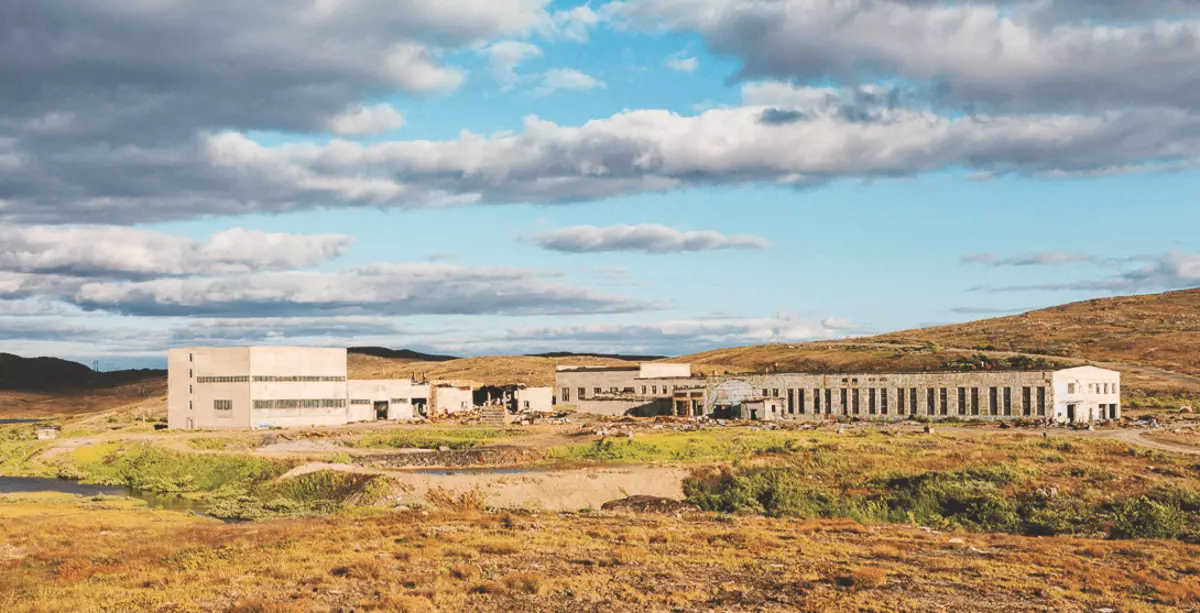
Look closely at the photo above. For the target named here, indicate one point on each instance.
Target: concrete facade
(1073, 395)
(238, 388)
(536, 399)
(450, 399)
(622, 390)
(386, 399)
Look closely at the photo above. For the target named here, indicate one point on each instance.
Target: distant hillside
(401, 354)
(1154, 340)
(485, 370)
(20, 373)
(611, 356)
(1159, 330)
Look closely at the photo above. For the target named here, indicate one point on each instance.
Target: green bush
(1147, 518)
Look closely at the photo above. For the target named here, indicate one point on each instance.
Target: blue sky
(653, 176)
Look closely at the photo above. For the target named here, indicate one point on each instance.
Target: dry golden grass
(79, 555)
(485, 370)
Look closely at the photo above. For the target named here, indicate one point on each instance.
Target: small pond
(26, 485)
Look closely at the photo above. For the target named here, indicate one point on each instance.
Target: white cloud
(505, 56)
(859, 135)
(682, 62)
(126, 252)
(974, 52)
(378, 289)
(364, 120)
(1174, 269)
(645, 238)
(558, 79)
(1037, 258)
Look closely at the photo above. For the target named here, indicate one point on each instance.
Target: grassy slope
(1154, 340)
(64, 554)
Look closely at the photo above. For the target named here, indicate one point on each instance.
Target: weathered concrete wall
(398, 393)
(1086, 394)
(451, 399)
(539, 399)
(616, 407)
(968, 395)
(574, 386)
(655, 370)
(192, 393)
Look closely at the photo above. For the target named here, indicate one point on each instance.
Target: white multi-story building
(237, 388)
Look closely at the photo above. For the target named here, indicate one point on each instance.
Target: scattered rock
(648, 504)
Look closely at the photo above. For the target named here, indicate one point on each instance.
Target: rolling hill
(1154, 340)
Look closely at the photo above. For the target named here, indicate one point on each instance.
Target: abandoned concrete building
(231, 388)
(1072, 395)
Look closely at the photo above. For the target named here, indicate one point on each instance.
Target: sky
(515, 176)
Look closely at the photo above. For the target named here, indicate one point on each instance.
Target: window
(871, 401)
(223, 405)
(800, 400)
(764, 394)
(190, 405)
(1041, 393)
(974, 401)
(643, 390)
(654, 389)
(816, 402)
(1027, 401)
(222, 379)
(930, 401)
(189, 357)
(581, 392)
(189, 389)
(828, 402)
(994, 401)
(962, 401)
(900, 400)
(775, 393)
(1070, 388)
(527, 404)
(855, 400)
(945, 401)
(883, 400)
(612, 390)
(399, 400)
(296, 379)
(791, 401)
(845, 405)
(628, 390)
(189, 373)
(566, 394)
(1008, 401)
(307, 403)
(596, 390)
(352, 401)
(912, 397)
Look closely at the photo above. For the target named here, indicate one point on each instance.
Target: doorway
(1070, 413)
(381, 409)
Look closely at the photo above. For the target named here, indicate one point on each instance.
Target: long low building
(1071, 395)
(239, 388)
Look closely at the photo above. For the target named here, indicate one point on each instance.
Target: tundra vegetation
(868, 519)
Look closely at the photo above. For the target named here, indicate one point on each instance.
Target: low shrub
(1145, 517)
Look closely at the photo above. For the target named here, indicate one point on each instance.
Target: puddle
(512, 470)
(12, 421)
(27, 485)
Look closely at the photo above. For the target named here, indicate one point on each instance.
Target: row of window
(223, 405)
(297, 379)
(222, 379)
(581, 392)
(1095, 388)
(324, 403)
(267, 378)
(999, 401)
